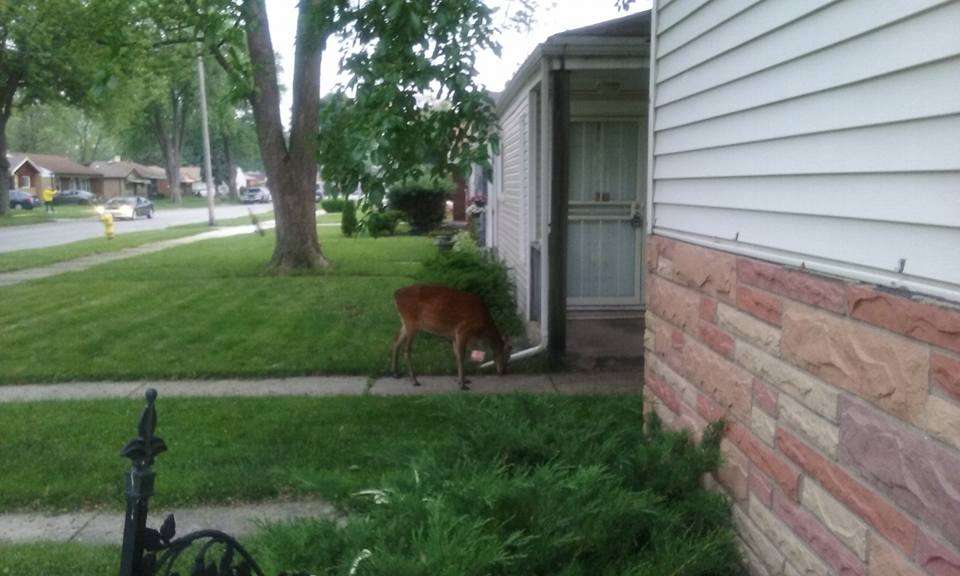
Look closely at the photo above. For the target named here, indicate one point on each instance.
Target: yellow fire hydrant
(108, 227)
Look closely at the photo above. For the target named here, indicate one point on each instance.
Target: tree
(403, 49)
(55, 51)
(169, 111)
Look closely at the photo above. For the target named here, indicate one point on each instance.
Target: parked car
(318, 194)
(74, 197)
(20, 199)
(128, 207)
(256, 195)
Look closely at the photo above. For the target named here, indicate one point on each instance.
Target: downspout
(547, 153)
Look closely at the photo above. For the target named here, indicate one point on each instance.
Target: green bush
(348, 222)
(532, 486)
(333, 205)
(423, 202)
(479, 273)
(382, 223)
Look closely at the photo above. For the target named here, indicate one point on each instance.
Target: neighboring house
(191, 180)
(573, 145)
(34, 172)
(255, 179)
(803, 274)
(123, 178)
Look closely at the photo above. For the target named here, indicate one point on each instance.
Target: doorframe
(635, 302)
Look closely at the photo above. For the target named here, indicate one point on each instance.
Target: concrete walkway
(106, 528)
(567, 383)
(85, 262)
(97, 527)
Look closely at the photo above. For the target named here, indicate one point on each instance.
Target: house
(800, 260)
(124, 178)
(573, 148)
(34, 172)
(255, 179)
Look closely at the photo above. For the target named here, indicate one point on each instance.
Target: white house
(800, 188)
(573, 145)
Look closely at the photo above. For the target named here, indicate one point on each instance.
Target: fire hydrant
(108, 227)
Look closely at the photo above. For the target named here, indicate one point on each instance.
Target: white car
(127, 207)
(256, 195)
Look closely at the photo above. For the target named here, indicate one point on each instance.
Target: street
(66, 231)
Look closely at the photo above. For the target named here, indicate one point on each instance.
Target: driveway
(65, 231)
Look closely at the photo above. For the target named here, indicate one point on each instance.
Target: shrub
(348, 222)
(479, 273)
(534, 486)
(423, 203)
(333, 205)
(382, 223)
(463, 242)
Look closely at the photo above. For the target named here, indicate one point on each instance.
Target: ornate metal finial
(144, 449)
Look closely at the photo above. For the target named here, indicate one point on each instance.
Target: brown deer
(460, 316)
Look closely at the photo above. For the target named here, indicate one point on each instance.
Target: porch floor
(598, 343)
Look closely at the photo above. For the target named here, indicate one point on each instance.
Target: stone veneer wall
(842, 454)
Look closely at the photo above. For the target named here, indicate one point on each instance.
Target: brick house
(123, 178)
(34, 172)
(801, 262)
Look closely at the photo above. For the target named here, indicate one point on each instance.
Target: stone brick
(666, 415)
(765, 397)
(688, 393)
(763, 425)
(885, 560)
(945, 374)
(844, 524)
(937, 325)
(755, 566)
(763, 305)
(659, 388)
(794, 284)
(716, 376)
(734, 473)
(943, 420)
(921, 476)
(676, 305)
(708, 310)
(649, 339)
(718, 340)
(784, 474)
(746, 327)
(760, 486)
(689, 419)
(709, 271)
(936, 558)
(807, 390)
(665, 267)
(822, 434)
(887, 370)
(652, 248)
(865, 503)
(794, 550)
(809, 529)
(758, 542)
(709, 409)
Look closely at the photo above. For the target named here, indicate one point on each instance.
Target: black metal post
(139, 488)
(557, 342)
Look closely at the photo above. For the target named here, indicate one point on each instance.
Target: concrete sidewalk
(106, 528)
(561, 383)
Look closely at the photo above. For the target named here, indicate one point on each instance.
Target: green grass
(212, 309)
(37, 257)
(511, 485)
(40, 216)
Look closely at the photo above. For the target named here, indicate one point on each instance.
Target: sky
(554, 16)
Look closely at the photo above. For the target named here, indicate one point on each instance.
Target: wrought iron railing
(150, 552)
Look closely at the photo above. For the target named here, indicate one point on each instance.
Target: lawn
(39, 215)
(36, 257)
(213, 310)
(510, 485)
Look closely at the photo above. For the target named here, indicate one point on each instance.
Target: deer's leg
(397, 342)
(459, 350)
(407, 347)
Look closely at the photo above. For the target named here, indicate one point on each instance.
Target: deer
(460, 316)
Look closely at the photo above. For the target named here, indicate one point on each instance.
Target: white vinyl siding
(513, 197)
(825, 132)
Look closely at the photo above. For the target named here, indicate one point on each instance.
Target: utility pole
(207, 163)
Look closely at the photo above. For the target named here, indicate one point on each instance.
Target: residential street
(66, 231)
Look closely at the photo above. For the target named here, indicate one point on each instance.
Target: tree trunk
(4, 169)
(170, 148)
(172, 157)
(291, 171)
